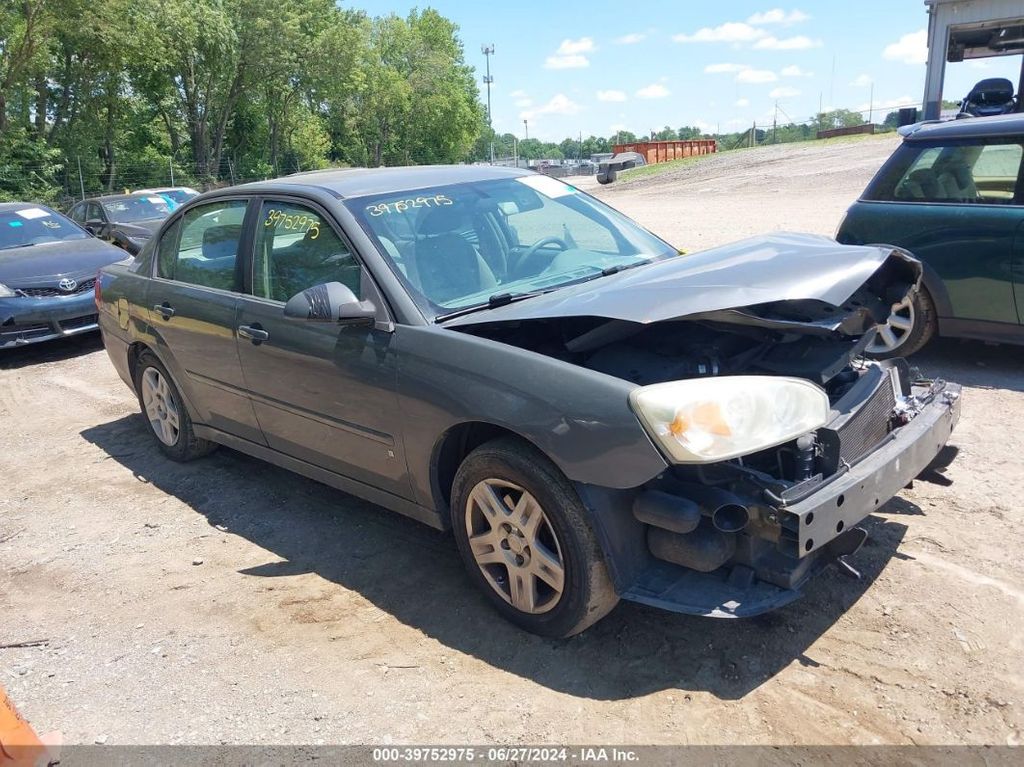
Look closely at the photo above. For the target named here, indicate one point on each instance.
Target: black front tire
(587, 593)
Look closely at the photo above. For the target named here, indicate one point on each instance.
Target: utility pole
(871, 104)
(526, 130)
(81, 183)
(170, 164)
(488, 51)
(775, 124)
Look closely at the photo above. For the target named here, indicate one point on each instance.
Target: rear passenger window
(965, 173)
(296, 248)
(202, 247)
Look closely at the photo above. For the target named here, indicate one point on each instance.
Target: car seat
(449, 266)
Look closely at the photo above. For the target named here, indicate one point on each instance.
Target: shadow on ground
(973, 363)
(414, 574)
(50, 351)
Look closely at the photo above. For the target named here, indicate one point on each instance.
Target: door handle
(165, 310)
(254, 333)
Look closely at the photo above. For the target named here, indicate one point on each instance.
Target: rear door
(193, 307)
(324, 394)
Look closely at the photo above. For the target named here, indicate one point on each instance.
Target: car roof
(360, 182)
(970, 127)
(116, 197)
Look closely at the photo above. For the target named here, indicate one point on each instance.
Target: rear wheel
(524, 537)
(164, 411)
(910, 326)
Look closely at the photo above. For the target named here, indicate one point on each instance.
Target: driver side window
(296, 248)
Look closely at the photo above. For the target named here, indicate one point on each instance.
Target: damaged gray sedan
(493, 352)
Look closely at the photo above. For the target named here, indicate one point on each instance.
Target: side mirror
(93, 225)
(330, 302)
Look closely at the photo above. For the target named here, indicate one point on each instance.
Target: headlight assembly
(138, 240)
(703, 420)
(6, 292)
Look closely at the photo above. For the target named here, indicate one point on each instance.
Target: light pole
(488, 51)
(526, 131)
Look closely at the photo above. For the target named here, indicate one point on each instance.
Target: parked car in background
(174, 195)
(125, 220)
(48, 266)
(953, 195)
(492, 351)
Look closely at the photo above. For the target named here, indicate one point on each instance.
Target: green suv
(953, 195)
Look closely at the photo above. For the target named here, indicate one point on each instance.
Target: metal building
(969, 29)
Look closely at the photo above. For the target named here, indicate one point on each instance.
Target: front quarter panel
(580, 419)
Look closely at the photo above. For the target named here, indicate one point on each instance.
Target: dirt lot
(229, 601)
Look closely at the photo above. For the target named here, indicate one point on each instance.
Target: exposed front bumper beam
(811, 527)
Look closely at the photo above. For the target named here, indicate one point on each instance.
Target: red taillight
(96, 291)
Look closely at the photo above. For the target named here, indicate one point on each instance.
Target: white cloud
(730, 32)
(630, 39)
(912, 48)
(559, 104)
(653, 91)
(794, 71)
(743, 102)
(861, 81)
(798, 43)
(778, 16)
(574, 61)
(756, 76)
(570, 54)
(569, 47)
(785, 92)
(712, 69)
(519, 93)
(611, 96)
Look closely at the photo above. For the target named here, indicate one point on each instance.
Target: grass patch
(658, 168)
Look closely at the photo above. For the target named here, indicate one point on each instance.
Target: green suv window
(974, 172)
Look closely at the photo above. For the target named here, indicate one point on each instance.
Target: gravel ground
(228, 601)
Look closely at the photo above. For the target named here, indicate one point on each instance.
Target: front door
(193, 306)
(323, 393)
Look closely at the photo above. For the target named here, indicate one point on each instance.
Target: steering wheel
(531, 251)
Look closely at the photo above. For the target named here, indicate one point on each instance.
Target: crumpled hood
(758, 270)
(46, 262)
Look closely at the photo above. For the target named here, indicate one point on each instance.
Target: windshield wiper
(493, 302)
(610, 270)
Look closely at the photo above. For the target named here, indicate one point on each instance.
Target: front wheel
(910, 326)
(524, 537)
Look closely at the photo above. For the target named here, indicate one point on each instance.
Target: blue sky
(599, 67)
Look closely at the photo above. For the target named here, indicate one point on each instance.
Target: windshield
(457, 246)
(35, 226)
(178, 195)
(130, 209)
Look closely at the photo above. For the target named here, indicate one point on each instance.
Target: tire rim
(514, 545)
(161, 406)
(894, 333)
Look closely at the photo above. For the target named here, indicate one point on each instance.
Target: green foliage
(29, 169)
(222, 90)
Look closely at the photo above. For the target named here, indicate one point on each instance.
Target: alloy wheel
(161, 406)
(890, 336)
(515, 546)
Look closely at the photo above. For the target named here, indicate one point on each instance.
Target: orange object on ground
(19, 745)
